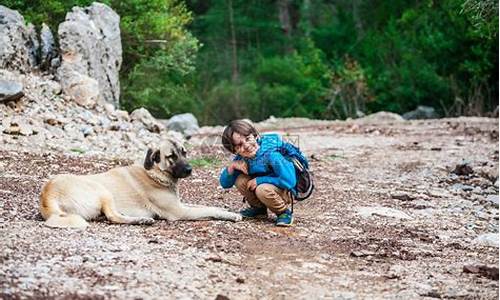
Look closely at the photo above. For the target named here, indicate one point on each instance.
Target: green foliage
(292, 85)
(227, 101)
(429, 56)
(204, 161)
(318, 59)
(51, 12)
(349, 90)
(159, 55)
(158, 52)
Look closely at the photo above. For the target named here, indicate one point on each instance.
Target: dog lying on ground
(128, 195)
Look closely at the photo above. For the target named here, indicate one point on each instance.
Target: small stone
(463, 168)
(402, 196)
(87, 130)
(493, 199)
(362, 253)
(383, 211)
(488, 239)
(240, 280)
(482, 270)
(461, 187)
(421, 204)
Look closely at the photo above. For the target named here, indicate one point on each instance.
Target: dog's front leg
(116, 217)
(185, 212)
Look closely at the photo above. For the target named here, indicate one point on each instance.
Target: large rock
(10, 90)
(422, 112)
(18, 42)
(83, 89)
(187, 124)
(381, 117)
(90, 45)
(48, 51)
(143, 117)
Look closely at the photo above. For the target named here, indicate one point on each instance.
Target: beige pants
(268, 195)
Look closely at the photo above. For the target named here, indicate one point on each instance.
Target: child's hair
(243, 127)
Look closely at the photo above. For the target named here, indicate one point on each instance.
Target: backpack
(305, 183)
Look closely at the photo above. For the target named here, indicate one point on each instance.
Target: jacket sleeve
(284, 172)
(227, 180)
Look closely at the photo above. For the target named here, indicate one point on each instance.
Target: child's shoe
(285, 218)
(254, 212)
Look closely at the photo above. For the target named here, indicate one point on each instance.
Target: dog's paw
(236, 217)
(145, 221)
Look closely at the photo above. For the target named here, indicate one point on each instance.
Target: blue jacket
(268, 166)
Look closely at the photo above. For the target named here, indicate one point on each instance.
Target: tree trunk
(306, 17)
(285, 21)
(357, 19)
(235, 75)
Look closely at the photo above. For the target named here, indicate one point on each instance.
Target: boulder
(10, 90)
(144, 117)
(421, 112)
(48, 51)
(90, 47)
(18, 42)
(187, 124)
(381, 116)
(83, 89)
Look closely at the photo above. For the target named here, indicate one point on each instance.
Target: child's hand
(239, 165)
(252, 184)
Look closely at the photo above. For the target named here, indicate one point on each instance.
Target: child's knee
(241, 181)
(265, 191)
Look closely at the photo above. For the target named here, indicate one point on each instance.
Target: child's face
(245, 146)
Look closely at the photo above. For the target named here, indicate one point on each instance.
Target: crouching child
(262, 175)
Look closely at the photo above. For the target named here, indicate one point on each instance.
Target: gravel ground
(389, 220)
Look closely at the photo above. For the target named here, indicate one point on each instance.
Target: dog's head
(169, 158)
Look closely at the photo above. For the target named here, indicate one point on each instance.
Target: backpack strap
(292, 197)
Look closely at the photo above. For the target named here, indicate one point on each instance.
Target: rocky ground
(402, 210)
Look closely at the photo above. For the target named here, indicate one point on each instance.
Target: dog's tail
(53, 214)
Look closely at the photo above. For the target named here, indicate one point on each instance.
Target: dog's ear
(151, 158)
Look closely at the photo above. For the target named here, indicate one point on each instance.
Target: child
(260, 172)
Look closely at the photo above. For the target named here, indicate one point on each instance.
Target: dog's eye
(172, 156)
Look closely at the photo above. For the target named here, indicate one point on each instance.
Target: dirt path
(336, 250)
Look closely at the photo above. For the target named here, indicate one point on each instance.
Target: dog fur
(127, 195)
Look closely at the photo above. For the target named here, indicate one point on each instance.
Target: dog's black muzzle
(182, 170)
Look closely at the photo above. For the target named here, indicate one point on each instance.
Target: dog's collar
(161, 178)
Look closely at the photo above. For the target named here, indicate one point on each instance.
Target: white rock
(143, 117)
(17, 45)
(186, 124)
(368, 211)
(382, 116)
(492, 199)
(488, 239)
(82, 88)
(90, 46)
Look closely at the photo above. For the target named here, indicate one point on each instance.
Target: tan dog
(128, 195)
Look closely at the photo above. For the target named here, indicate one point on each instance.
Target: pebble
(488, 239)
(493, 199)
